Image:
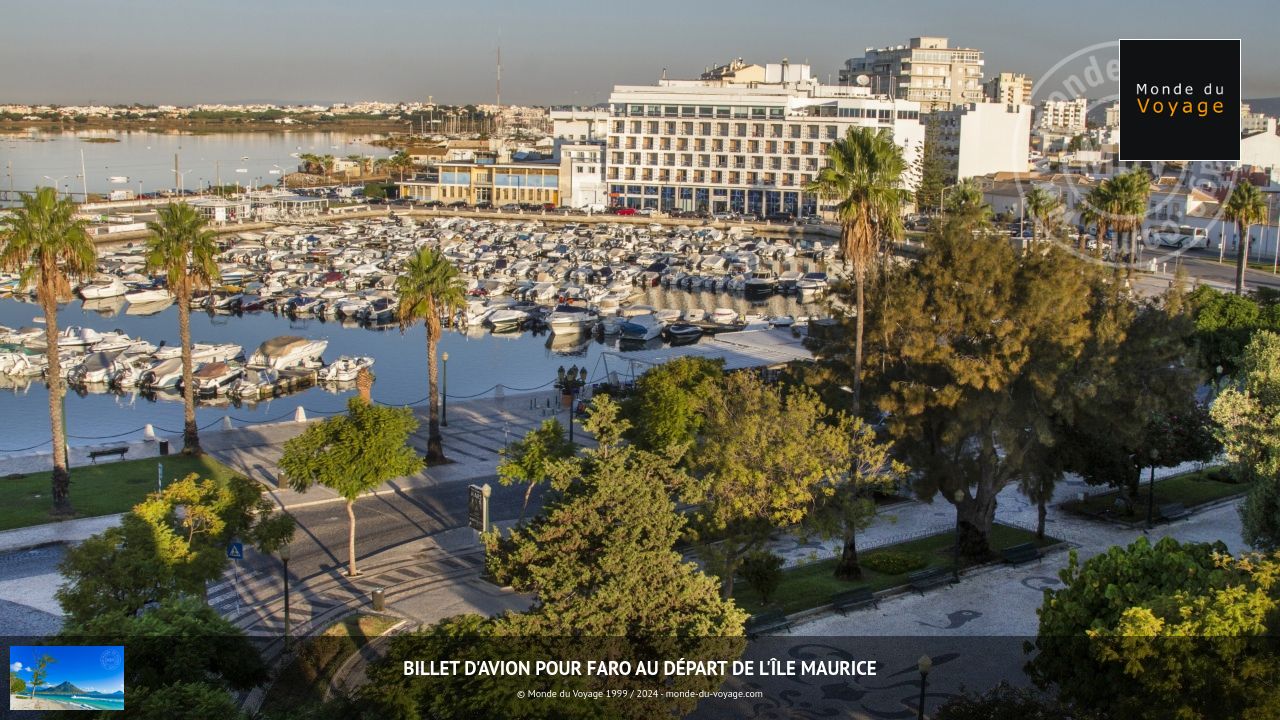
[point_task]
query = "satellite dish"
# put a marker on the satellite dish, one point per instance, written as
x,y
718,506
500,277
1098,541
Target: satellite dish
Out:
x,y
863,80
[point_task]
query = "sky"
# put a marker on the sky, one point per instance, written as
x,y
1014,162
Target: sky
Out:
x,y
85,667
553,52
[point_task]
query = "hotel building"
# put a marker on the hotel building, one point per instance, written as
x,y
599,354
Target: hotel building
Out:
x,y
741,138
486,181
925,71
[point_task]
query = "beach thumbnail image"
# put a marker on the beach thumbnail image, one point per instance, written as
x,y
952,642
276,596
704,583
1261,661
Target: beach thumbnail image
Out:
x,y
66,677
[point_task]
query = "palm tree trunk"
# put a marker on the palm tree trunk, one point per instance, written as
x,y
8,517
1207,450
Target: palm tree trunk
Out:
x,y
57,389
1242,257
859,322
190,434
848,567
435,444
351,539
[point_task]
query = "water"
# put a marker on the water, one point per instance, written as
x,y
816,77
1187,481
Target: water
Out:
x,y
92,702
477,363
36,158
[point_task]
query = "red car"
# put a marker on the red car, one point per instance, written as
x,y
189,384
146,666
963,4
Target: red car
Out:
x,y
624,211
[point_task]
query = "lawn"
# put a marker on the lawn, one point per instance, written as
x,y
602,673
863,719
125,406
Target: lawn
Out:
x,y
102,489
1191,489
304,680
809,586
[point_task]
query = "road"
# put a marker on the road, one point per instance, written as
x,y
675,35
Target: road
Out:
x,y
1203,264
28,579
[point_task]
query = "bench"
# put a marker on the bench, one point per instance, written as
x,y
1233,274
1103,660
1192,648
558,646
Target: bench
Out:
x,y
767,621
1174,511
108,452
858,597
1018,554
922,580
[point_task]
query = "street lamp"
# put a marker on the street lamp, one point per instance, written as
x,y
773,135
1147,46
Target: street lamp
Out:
x,y
284,560
958,496
444,392
569,384
1151,487
55,181
924,665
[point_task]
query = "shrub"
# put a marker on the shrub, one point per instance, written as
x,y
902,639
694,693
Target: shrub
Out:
x,y
894,562
762,572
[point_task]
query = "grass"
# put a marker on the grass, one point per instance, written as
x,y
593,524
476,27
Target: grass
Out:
x,y
104,489
812,585
304,680
1191,489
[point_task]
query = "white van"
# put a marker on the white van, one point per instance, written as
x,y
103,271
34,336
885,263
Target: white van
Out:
x,y
1182,236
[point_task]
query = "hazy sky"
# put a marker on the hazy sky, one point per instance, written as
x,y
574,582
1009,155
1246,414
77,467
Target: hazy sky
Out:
x,y
553,51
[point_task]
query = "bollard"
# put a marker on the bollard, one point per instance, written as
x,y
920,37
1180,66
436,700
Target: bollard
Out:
x,y
148,433
164,447
379,599
300,414
226,422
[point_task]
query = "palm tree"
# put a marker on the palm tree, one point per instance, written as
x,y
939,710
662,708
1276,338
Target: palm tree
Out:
x,y
44,242
183,249
430,290
1097,212
1246,208
965,204
1132,192
1042,206
863,176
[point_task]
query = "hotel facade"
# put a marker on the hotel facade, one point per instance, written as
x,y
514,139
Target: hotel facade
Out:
x,y
741,138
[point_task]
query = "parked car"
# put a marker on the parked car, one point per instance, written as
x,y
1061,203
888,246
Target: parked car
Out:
x,y
484,206
624,211
780,217
457,204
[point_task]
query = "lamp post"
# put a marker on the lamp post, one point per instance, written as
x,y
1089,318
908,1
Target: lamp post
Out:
x,y
284,561
444,391
569,383
958,496
924,665
1151,487
55,181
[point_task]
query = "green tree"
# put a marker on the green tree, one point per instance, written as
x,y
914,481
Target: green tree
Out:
x,y
965,205
864,177
352,454
1096,213
1131,192
933,172
1044,208
1224,324
665,413
48,247
16,684
181,247
1249,418
171,544
40,672
1245,207
528,460
1163,631
764,459
762,572
430,290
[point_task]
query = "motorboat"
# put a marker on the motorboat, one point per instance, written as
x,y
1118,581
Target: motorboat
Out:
x,y
681,333
164,374
611,325
570,319
151,308
254,383
379,310
148,295
787,281
127,372
507,319
213,378
760,284
642,328
95,368
18,364
288,351
812,285
80,337
202,352
302,305
724,316
667,315
782,321
345,368
103,287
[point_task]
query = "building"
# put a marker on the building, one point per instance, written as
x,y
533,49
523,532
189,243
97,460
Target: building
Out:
x,y
1009,88
925,71
983,138
580,125
582,183
485,181
1113,116
1251,122
742,138
1063,116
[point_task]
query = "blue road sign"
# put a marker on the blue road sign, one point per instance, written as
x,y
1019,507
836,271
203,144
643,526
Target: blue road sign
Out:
x,y
235,551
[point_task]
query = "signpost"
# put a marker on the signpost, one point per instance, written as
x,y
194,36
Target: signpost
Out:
x,y
478,507
235,551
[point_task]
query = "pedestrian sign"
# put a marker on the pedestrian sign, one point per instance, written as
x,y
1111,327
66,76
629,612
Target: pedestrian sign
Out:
x,y
235,551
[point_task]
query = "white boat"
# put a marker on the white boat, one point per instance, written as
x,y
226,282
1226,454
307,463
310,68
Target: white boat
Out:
x,y
16,364
254,383
150,295
103,287
812,285
506,319
570,319
151,308
668,315
118,179
782,321
127,372
202,352
287,351
163,374
78,337
694,315
642,328
724,316
345,369
611,325
213,378
95,368
682,333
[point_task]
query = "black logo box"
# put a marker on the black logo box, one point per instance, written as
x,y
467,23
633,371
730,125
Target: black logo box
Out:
x,y
1185,64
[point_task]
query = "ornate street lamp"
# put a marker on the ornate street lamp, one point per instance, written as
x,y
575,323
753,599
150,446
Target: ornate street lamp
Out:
x,y
569,383
924,665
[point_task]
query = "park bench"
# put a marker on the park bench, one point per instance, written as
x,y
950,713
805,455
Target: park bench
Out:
x,y
922,580
858,597
767,621
1018,554
107,452
1174,511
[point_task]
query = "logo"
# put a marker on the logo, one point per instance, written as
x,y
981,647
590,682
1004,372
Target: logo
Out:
x,y
1180,100
111,658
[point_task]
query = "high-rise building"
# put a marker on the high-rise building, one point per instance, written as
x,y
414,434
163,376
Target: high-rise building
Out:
x,y
926,71
741,138
1063,116
1009,88
983,138
1112,119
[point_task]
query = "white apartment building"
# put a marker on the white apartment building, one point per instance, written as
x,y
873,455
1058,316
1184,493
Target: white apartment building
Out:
x,y
580,125
984,138
582,182
925,70
1009,88
1251,122
743,138
1113,115
1063,116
